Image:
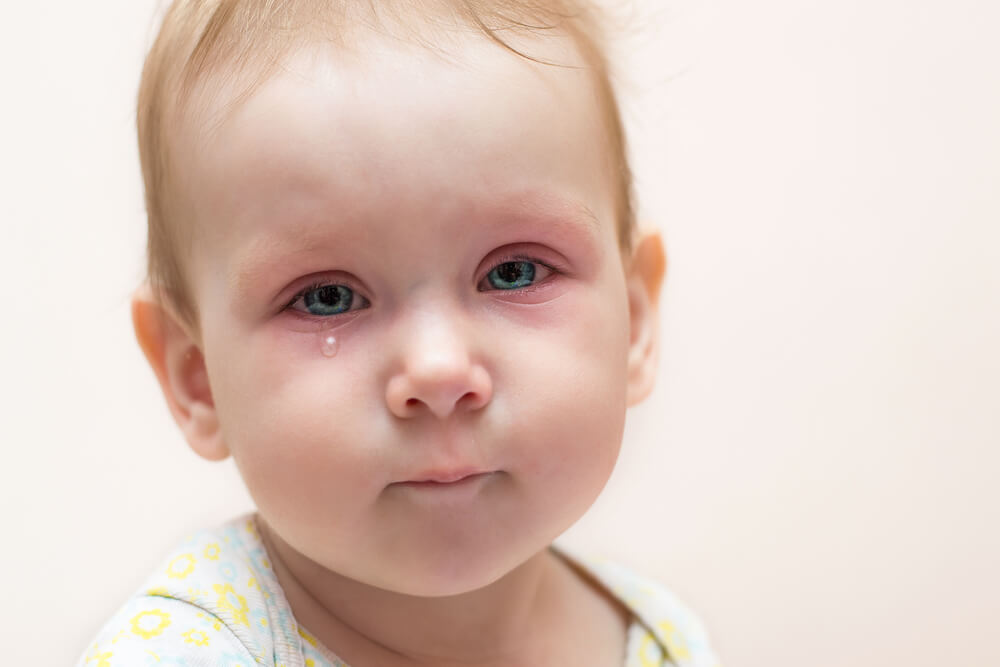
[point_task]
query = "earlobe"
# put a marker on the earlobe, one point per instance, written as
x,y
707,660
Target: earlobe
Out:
x,y
644,278
176,359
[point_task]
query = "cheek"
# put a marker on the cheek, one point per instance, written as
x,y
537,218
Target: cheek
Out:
x,y
274,378
568,395
293,420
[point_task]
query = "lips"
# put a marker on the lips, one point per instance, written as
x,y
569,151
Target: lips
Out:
x,y
442,477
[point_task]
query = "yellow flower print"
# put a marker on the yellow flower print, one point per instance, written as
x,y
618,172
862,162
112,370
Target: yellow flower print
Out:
x,y
216,624
650,654
100,658
310,662
181,566
158,590
236,604
196,637
212,551
308,637
674,640
148,624
253,584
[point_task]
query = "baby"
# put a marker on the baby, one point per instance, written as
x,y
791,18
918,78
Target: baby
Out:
x,y
393,271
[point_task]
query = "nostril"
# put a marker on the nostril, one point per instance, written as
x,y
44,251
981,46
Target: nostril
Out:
x,y
410,393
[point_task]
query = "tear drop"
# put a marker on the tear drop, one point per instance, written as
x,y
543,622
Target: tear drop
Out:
x,y
328,345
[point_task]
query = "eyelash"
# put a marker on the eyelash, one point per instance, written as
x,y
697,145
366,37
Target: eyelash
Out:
x,y
520,258
318,284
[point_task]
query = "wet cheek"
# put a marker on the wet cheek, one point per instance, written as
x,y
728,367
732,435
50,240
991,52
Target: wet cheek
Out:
x,y
292,343
276,362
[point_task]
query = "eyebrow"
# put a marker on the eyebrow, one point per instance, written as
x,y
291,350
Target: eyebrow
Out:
x,y
263,255
547,208
558,210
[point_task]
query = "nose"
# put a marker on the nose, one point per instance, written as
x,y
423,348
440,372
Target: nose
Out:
x,y
437,372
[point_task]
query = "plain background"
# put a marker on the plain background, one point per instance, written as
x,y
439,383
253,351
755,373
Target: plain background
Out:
x,y
817,470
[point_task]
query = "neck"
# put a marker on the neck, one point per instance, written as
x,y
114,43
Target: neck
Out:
x,y
499,624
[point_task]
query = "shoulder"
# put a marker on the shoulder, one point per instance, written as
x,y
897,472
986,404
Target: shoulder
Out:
x,y
213,600
156,630
667,620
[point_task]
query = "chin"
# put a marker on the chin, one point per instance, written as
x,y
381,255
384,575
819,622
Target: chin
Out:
x,y
453,573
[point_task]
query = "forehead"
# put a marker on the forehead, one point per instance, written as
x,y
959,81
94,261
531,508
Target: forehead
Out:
x,y
402,135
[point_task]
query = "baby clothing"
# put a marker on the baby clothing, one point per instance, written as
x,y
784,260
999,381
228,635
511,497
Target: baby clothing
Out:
x,y
216,602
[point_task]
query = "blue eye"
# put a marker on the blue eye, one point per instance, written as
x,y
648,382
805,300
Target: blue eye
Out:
x,y
512,275
325,300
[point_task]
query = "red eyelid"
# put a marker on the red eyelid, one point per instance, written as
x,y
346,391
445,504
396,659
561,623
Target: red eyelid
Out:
x,y
551,264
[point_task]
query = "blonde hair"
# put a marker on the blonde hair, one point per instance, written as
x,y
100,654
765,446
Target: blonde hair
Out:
x,y
246,40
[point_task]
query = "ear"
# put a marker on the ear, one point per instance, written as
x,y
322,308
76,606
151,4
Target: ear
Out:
x,y
176,358
644,277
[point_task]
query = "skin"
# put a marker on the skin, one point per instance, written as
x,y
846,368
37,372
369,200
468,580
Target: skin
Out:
x,y
322,178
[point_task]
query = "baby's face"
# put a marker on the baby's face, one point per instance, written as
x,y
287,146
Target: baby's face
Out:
x,y
451,227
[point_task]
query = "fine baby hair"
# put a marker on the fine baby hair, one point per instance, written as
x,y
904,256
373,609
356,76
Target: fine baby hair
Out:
x,y
394,273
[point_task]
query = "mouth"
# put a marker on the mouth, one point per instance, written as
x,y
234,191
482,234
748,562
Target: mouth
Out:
x,y
454,484
445,478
